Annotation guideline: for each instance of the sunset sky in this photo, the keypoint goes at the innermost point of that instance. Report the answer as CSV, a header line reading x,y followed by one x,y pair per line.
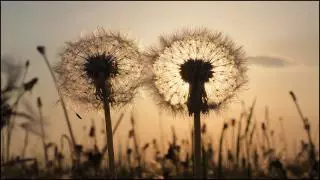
x,y
280,39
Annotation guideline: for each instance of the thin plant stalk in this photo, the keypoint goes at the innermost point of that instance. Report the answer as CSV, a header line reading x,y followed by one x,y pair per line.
x,y
197,145
205,162
304,120
136,145
226,142
238,139
248,157
267,139
117,124
25,144
233,140
220,151
2,145
161,133
64,136
249,145
120,154
106,106
41,50
42,132
15,105
284,139
307,128
192,149
11,125
114,130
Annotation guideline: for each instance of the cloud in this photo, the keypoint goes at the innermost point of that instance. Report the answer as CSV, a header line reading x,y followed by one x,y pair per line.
x,y
270,62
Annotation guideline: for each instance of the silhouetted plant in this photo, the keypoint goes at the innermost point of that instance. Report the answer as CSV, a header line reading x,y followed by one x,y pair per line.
x,y
238,147
305,121
12,71
233,123
25,143
42,51
224,128
133,134
247,139
283,136
100,70
196,71
39,104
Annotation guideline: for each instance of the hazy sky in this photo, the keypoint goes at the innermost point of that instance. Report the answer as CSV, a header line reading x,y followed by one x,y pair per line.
x,y
282,39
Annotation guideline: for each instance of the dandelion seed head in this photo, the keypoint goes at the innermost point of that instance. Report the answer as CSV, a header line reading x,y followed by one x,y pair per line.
x,y
197,56
83,61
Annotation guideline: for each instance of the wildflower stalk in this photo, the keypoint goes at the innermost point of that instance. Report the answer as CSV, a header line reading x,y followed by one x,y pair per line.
x,y
136,145
265,134
233,121
248,157
25,144
304,120
41,50
284,139
11,120
205,162
238,139
117,124
39,103
225,126
64,136
306,124
161,134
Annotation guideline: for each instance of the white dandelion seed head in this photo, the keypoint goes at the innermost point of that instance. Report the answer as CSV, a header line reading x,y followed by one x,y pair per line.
x,y
224,61
110,53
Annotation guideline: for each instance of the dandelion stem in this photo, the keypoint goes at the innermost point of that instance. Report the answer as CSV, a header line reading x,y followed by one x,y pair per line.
x,y
197,145
107,115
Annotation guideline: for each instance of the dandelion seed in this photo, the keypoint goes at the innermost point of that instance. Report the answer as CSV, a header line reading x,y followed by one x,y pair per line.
x,y
78,116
